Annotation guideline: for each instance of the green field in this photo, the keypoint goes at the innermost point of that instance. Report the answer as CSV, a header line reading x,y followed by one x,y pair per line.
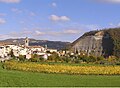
x,y
26,79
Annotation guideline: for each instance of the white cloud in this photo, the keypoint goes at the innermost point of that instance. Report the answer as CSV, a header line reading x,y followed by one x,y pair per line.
x,y
92,27
32,14
65,32
59,18
109,1
85,27
54,18
111,25
14,34
64,18
16,10
71,31
2,21
54,4
10,1
4,36
23,33
58,33
2,14
39,33
22,22
118,24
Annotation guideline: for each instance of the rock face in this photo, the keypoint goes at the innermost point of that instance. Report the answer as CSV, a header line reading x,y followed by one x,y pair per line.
x,y
95,43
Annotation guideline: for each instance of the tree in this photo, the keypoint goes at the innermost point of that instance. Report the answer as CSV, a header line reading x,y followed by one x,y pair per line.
x,y
11,53
54,57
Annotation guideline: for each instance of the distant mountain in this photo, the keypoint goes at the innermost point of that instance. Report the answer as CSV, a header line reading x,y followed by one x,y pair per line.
x,y
33,42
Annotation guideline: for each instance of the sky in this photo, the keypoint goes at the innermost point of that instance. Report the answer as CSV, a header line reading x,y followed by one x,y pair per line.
x,y
56,20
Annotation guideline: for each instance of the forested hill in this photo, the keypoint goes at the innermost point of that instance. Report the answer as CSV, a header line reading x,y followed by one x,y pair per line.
x,y
115,35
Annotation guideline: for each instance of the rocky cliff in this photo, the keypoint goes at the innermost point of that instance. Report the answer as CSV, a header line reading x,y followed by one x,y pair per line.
x,y
99,43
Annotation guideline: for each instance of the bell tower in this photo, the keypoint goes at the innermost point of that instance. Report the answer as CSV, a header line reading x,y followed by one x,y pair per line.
x,y
26,42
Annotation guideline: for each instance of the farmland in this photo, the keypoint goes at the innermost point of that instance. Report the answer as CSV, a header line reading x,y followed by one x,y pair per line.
x,y
13,78
64,69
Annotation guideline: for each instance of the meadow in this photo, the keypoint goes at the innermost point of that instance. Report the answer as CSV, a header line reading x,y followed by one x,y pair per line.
x,y
12,78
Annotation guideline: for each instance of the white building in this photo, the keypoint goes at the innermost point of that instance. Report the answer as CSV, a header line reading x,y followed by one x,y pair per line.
x,y
52,50
24,50
2,51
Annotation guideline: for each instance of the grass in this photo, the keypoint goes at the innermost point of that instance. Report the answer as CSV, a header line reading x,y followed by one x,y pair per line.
x,y
25,79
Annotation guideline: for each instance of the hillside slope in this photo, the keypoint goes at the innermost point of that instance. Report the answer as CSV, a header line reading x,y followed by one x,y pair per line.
x,y
103,42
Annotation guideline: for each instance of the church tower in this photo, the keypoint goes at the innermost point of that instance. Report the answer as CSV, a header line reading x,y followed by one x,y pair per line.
x,y
26,42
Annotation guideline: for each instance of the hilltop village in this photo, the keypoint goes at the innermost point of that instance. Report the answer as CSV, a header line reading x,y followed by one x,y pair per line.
x,y
25,50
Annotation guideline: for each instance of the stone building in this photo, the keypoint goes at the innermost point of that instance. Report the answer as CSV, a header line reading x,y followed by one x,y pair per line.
x,y
26,42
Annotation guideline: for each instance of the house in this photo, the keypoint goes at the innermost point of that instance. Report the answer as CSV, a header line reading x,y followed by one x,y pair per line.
x,y
2,51
25,50
52,50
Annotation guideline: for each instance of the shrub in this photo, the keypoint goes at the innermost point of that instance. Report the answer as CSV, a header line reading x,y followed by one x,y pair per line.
x,y
41,59
34,59
54,57
85,59
77,61
21,58
92,59
118,63
35,56
66,59
112,60
100,58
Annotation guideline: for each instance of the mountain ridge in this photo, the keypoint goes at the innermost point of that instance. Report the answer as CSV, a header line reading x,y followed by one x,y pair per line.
x,y
34,42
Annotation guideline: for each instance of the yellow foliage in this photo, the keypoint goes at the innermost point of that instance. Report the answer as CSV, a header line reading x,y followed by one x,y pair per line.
x,y
85,70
